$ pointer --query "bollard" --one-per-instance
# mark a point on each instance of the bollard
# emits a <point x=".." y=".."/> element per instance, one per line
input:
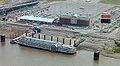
<point x="63" y="40"/>
<point x="26" y="33"/>
<point x="10" y="36"/>
<point x="74" y="43"/>
<point x="39" y="36"/>
<point x="44" y="37"/>
<point x="51" y="38"/>
<point x="96" y="54"/>
<point x="57" y="39"/>
<point x="15" y="35"/>
<point x="70" y="41"/>
<point x="2" y="38"/>
<point x="32" y="35"/>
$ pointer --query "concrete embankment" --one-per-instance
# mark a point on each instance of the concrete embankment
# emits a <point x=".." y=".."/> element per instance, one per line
<point x="8" y="29"/>
<point x="112" y="55"/>
<point x="18" y="24"/>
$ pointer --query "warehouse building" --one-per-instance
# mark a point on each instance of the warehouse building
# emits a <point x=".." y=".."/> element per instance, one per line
<point x="37" y="20"/>
<point x="74" y="21"/>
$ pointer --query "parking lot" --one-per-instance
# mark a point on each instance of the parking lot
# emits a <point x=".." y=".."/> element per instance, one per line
<point x="69" y="7"/>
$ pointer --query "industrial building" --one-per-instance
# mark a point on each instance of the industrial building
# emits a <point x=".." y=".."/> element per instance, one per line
<point x="62" y="20"/>
<point x="37" y="20"/>
<point x="74" y="21"/>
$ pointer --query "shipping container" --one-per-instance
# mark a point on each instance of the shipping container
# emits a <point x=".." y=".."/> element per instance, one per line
<point x="105" y="20"/>
<point x="106" y="16"/>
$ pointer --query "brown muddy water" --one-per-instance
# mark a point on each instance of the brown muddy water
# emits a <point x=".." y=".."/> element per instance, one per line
<point x="15" y="55"/>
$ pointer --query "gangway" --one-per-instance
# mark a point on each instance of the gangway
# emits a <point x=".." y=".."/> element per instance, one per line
<point x="13" y="41"/>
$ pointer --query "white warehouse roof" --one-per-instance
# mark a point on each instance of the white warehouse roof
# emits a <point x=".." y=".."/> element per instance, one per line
<point x="40" y="19"/>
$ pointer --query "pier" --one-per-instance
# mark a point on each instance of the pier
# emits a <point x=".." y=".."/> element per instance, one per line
<point x="67" y="41"/>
